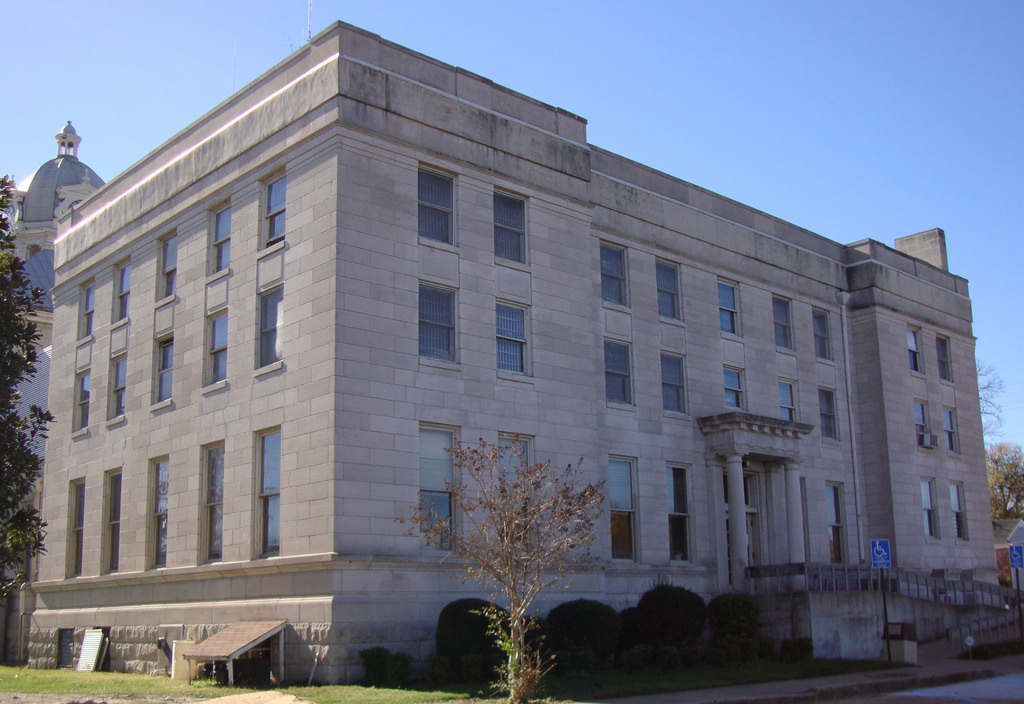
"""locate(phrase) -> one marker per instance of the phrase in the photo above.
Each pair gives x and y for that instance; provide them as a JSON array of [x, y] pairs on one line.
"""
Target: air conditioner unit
[[928, 440]]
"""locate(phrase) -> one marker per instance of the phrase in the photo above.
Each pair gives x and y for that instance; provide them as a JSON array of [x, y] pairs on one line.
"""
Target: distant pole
[[1020, 618], [885, 617], [309, 21]]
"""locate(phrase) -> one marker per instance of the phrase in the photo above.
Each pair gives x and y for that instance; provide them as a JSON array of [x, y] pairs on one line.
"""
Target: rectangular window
[[613, 274], [270, 493], [620, 495], [86, 309], [667, 276], [220, 244], [113, 527], [122, 291], [617, 385], [436, 473], [164, 368], [673, 391], [76, 527], [827, 414], [678, 515], [161, 483], [117, 383], [949, 429], [168, 267], [270, 325], [822, 334], [728, 308], [914, 350], [65, 648], [956, 502], [83, 382], [437, 322], [214, 502], [510, 325], [515, 451], [921, 424], [274, 217], [217, 348], [836, 541], [435, 206], [509, 227], [931, 528], [782, 313], [787, 401], [943, 358], [733, 382]]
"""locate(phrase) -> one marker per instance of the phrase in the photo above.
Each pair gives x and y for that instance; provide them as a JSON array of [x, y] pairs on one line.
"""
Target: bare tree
[[522, 528], [1005, 463], [990, 387]]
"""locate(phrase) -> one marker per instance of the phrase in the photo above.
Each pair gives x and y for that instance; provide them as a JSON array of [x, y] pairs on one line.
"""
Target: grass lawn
[[573, 687]]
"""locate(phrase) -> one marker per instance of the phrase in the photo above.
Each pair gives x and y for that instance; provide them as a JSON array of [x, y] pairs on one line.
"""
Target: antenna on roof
[[309, 26]]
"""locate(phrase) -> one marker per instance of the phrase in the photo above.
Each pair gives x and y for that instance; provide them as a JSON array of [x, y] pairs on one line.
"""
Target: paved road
[[998, 690]]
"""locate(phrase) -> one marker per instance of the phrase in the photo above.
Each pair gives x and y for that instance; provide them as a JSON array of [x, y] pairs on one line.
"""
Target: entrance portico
[[745, 445]]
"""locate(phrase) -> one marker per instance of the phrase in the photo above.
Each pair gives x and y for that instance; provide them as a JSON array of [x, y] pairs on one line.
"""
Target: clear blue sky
[[852, 119]]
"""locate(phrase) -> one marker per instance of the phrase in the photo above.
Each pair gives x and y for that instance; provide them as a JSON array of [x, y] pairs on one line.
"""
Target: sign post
[[1017, 563], [881, 559]]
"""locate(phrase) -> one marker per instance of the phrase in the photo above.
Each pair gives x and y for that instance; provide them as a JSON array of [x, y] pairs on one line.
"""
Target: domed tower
[[47, 195]]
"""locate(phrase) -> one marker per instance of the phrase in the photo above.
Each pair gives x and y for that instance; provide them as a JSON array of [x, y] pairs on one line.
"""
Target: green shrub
[[670, 615], [765, 649], [796, 649], [636, 657], [734, 615], [730, 650], [669, 657], [987, 651], [472, 667], [382, 668], [584, 624], [440, 670], [630, 633], [462, 630]]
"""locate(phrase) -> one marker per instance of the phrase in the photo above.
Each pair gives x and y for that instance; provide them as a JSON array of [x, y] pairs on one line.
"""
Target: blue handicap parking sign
[[880, 556], [1017, 556]]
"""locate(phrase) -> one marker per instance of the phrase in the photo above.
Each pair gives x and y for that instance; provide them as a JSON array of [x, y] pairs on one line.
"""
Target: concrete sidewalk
[[936, 667]]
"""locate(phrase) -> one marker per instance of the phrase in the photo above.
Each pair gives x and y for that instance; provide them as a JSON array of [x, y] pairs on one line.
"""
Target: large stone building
[[52, 191], [268, 330]]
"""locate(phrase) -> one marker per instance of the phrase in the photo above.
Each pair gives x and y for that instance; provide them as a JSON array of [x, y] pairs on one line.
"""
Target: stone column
[[737, 522], [795, 522]]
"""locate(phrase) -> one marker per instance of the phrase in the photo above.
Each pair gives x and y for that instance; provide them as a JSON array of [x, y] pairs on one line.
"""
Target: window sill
[[269, 368], [218, 275], [731, 336], [435, 363], [438, 244], [116, 421], [676, 322], [521, 377], [271, 249], [834, 442], [512, 264], [789, 351], [611, 305], [82, 341], [677, 415], [620, 406], [166, 300], [80, 433], [117, 324], [825, 360], [214, 387], [161, 405]]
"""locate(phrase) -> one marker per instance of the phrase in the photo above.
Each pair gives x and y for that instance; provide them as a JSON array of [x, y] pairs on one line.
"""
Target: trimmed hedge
[[584, 625], [462, 638], [670, 615], [734, 615]]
